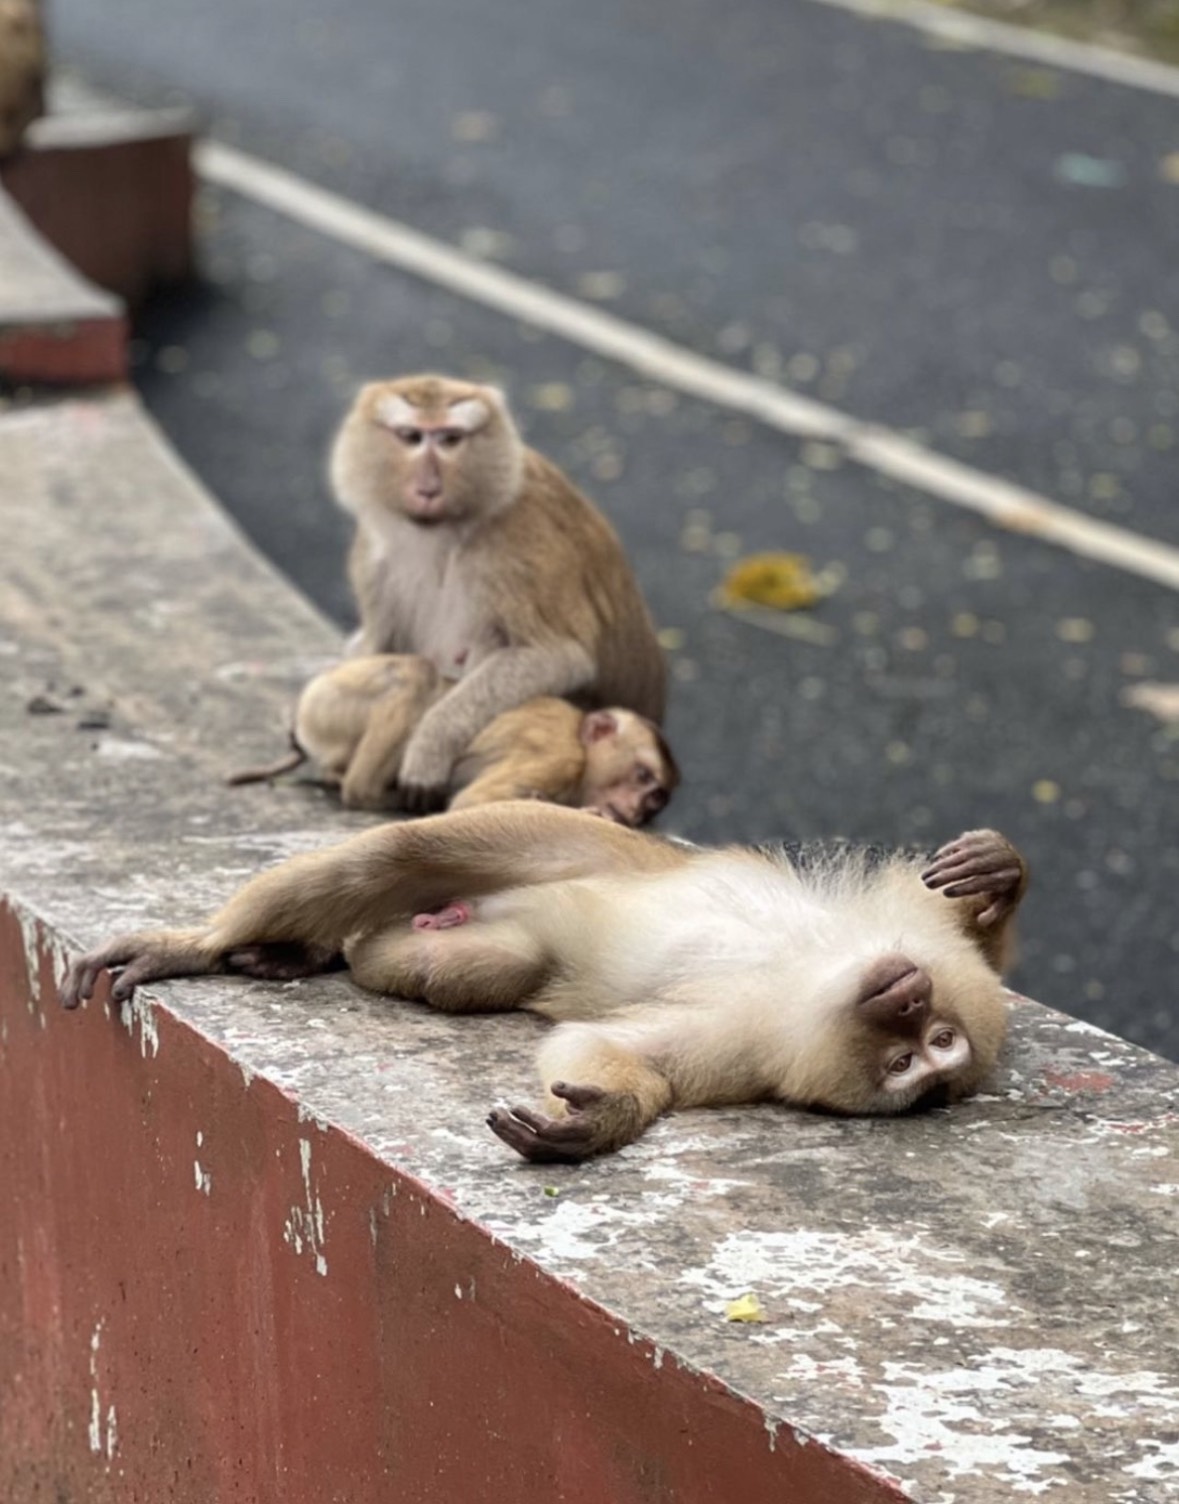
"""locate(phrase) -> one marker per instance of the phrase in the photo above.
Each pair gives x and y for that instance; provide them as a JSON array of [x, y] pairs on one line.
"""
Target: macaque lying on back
[[678, 977], [356, 720]]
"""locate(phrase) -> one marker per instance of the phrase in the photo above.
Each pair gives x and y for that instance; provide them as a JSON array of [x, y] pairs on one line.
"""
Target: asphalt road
[[953, 243]]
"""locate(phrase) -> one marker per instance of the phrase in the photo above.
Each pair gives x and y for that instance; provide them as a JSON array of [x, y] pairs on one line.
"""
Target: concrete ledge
[[54, 326], [111, 189], [258, 1244]]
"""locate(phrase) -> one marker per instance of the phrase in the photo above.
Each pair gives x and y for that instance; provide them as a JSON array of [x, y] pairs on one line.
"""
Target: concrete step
[[109, 187], [94, 212], [257, 1242], [54, 325]]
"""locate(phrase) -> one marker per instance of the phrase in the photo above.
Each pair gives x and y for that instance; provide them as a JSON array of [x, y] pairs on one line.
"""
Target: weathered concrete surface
[[111, 189], [262, 1246], [54, 325]]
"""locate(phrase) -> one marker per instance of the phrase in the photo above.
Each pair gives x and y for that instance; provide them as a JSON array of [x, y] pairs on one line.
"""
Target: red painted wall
[[164, 1341]]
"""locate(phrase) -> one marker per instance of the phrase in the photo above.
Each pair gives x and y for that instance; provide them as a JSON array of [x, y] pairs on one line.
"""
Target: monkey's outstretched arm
[[318, 900], [503, 680]]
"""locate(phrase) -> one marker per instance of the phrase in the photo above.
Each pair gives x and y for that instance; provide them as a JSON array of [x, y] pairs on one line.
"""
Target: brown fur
[[677, 976], [356, 719], [484, 559]]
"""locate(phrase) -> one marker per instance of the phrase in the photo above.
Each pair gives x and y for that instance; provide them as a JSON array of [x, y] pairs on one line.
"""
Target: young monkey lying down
[[356, 720], [678, 976]]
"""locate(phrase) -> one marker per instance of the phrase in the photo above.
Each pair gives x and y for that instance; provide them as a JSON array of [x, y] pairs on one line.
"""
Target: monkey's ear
[[597, 725]]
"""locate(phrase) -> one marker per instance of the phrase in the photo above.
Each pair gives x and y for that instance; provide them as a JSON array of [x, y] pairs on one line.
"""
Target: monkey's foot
[[443, 919], [597, 1121], [282, 961], [979, 862]]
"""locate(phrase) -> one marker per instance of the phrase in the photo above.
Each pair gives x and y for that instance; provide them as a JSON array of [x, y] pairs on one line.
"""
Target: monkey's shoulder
[[549, 500]]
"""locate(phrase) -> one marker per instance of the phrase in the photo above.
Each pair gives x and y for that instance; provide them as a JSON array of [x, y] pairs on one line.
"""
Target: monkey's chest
[[438, 612]]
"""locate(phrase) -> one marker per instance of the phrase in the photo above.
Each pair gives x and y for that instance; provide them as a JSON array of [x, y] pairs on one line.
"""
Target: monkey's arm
[[983, 868], [309, 905], [503, 680]]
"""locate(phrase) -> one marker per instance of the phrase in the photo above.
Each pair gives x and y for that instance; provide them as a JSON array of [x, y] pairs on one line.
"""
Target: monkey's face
[[629, 773], [904, 1032]]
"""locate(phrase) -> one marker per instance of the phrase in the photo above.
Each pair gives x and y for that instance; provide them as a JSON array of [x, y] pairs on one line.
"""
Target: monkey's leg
[[617, 1095], [391, 719], [283, 961], [485, 968], [322, 898], [983, 867]]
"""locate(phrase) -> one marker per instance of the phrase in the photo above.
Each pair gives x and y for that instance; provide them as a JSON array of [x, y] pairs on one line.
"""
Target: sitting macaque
[[478, 554], [22, 70], [355, 720], [678, 977]]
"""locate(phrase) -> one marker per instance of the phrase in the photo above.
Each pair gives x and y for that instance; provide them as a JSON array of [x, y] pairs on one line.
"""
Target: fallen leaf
[[780, 581], [1169, 167], [745, 1308]]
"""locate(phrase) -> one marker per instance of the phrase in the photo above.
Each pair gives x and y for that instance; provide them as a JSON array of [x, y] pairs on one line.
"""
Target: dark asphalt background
[[964, 246]]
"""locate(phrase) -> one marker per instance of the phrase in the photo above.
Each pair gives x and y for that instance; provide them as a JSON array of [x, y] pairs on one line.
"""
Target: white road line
[[968, 30], [876, 448]]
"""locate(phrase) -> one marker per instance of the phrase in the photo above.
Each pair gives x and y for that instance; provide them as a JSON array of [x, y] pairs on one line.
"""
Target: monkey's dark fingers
[[419, 799], [948, 869], [540, 1139], [578, 1097], [82, 976], [78, 986], [149, 966], [995, 883]]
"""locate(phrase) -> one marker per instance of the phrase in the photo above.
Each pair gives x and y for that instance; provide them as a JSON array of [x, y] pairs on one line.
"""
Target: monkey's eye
[[410, 437], [900, 1065], [450, 438], [943, 1039], [643, 776]]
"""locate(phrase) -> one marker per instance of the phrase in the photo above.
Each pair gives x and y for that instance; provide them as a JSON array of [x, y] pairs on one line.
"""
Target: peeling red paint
[[212, 1360], [75, 353], [1079, 1080]]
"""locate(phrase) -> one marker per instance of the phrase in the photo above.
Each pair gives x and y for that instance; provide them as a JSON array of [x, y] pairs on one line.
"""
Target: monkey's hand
[[980, 862], [597, 1121], [419, 799]]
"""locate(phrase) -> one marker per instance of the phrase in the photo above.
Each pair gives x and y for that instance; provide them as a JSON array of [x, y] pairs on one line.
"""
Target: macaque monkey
[[354, 721], [476, 553], [678, 976], [22, 70]]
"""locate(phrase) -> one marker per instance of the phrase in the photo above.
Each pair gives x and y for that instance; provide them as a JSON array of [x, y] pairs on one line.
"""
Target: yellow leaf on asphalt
[[781, 581]]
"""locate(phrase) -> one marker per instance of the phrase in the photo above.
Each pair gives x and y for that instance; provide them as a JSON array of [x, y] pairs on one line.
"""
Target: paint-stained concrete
[[262, 1246]]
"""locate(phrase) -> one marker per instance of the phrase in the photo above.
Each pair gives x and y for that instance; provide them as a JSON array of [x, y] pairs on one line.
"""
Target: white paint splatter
[[1161, 1465], [886, 1266], [121, 750], [140, 1010], [305, 1224]]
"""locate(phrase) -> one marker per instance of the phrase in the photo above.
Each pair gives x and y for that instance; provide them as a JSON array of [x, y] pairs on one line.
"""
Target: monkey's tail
[[295, 758]]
